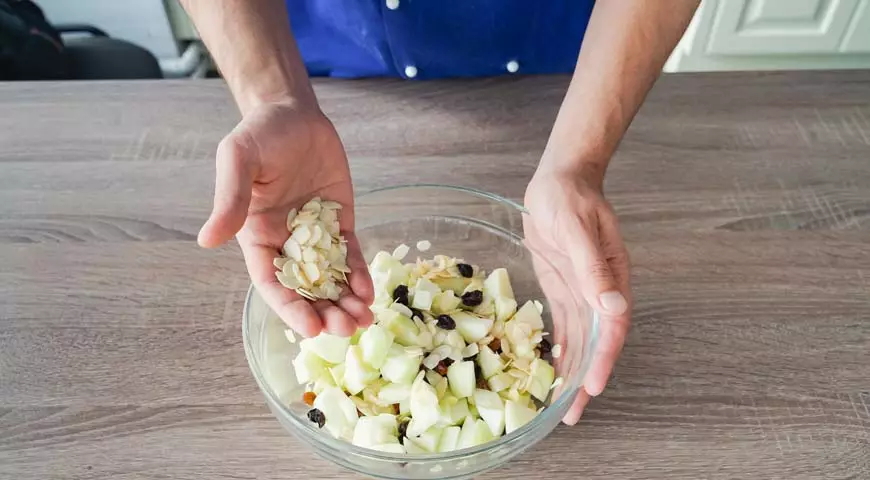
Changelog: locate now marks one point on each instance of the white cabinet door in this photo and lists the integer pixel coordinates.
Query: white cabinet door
(742, 27)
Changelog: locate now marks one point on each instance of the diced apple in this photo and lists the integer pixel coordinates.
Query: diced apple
(498, 287)
(308, 366)
(449, 439)
(375, 344)
(376, 430)
(402, 327)
(454, 339)
(412, 448)
(515, 396)
(331, 348)
(390, 448)
(460, 376)
(474, 432)
(516, 415)
(425, 411)
(517, 333)
(501, 381)
(400, 367)
(455, 413)
(543, 375)
(456, 284)
(337, 374)
(471, 327)
(529, 315)
(424, 293)
(339, 411)
(357, 375)
(354, 339)
(428, 440)
(491, 409)
(394, 393)
(387, 273)
(405, 407)
(445, 302)
(489, 361)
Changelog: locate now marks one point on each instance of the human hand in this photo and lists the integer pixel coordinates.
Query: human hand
(277, 158)
(575, 229)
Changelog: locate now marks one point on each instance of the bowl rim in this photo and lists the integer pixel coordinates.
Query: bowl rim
(347, 447)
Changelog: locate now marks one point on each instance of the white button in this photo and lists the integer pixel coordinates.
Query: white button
(392, 4)
(512, 66)
(410, 71)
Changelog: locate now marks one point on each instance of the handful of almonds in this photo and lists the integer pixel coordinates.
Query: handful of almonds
(314, 258)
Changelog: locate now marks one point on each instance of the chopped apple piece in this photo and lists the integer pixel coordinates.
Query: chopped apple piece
(404, 329)
(460, 376)
(376, 430)
(425, 411)
(474, 432)
(449, 439)
(516, 415)
(375, 344)
(357, 375)
(339, 411)
(489, 361)
(400, 367)
(542, 378)
(491, 409)
(471, 327)
(308, 366)
(331, 348)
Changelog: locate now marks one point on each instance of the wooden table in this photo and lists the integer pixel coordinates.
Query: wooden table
(744, 198)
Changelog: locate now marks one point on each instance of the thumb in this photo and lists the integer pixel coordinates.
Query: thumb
(232, 196)
(598, 283)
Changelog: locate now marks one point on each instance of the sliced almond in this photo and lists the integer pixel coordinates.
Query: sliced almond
(401, 251)
(290, 218)
(556, 351)
(301, 234)
(330, 205)
(300, 276)
(311, 271)
(279, 262)
(292, 249)
(470, 350)
(313, 205)
(424, 245)
(432, 360)
(316, 233)
(557, 382)
(309, 255)
(287, 281)
(290, 336)
(539, 306)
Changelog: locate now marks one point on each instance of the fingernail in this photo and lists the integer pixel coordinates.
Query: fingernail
(613, 302)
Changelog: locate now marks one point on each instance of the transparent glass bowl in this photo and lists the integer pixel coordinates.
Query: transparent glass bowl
(482, 228)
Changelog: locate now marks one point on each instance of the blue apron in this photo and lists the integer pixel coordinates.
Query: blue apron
(438, 38)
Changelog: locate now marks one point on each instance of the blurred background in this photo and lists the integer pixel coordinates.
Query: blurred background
(112, 39)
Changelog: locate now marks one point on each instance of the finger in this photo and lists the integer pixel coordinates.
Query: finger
(335, 320)
(294, 310)
(598, 284)
(613, 328)
(613, 332)
(233, 181)
(576, 410)
(359, 279)
(356, 308)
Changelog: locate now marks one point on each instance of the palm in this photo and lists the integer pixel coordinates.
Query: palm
(286, 157)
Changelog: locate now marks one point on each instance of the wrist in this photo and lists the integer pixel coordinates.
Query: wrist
(588, 168)
(271, 89)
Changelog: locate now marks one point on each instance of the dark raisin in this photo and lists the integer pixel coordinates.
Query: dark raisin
(442, 366)
(400, 295)
(446, 322)
(396, 409)
(403, 429)
(495, 345)
(481, 383)
(478, 373)
(317, 417)
(545, 346)
(465, 270)
(417, 314)
(472, 298)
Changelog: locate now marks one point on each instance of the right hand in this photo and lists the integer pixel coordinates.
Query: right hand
(277, 158)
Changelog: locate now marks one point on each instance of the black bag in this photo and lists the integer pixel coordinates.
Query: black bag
(30, 49)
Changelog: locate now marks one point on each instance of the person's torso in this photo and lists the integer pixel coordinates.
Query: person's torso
(438, 38)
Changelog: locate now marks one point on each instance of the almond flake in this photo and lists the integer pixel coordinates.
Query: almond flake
(424, 245)
(313, 205)
(300, 275)
(401, 251)
(290, 218)
(432, 360)
(539, 306)
(301, 234)
(330, 205)
(311, 271)
(287, 281)
(398, 307)
(290, 336)
(556, 351)
(470, 350)
(279, 262)
(558, 381)
(292, 249)
(316, 234)
(309, 255)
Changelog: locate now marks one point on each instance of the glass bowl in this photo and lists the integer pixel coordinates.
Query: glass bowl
(482, 228)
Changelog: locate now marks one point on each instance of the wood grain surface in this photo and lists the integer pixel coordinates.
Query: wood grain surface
(744, 198)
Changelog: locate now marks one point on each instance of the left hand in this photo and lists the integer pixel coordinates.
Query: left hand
(575, 229)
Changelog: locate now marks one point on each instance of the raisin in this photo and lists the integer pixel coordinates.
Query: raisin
(481, 383)
(417, 314)
(317, 417)
(403, 429)
(495, 345)
(472, 298)
(308, 398)
(400, 295)
(396, 409)
(446, 322)
(442, 366)
(545, 346)
(465, 270)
